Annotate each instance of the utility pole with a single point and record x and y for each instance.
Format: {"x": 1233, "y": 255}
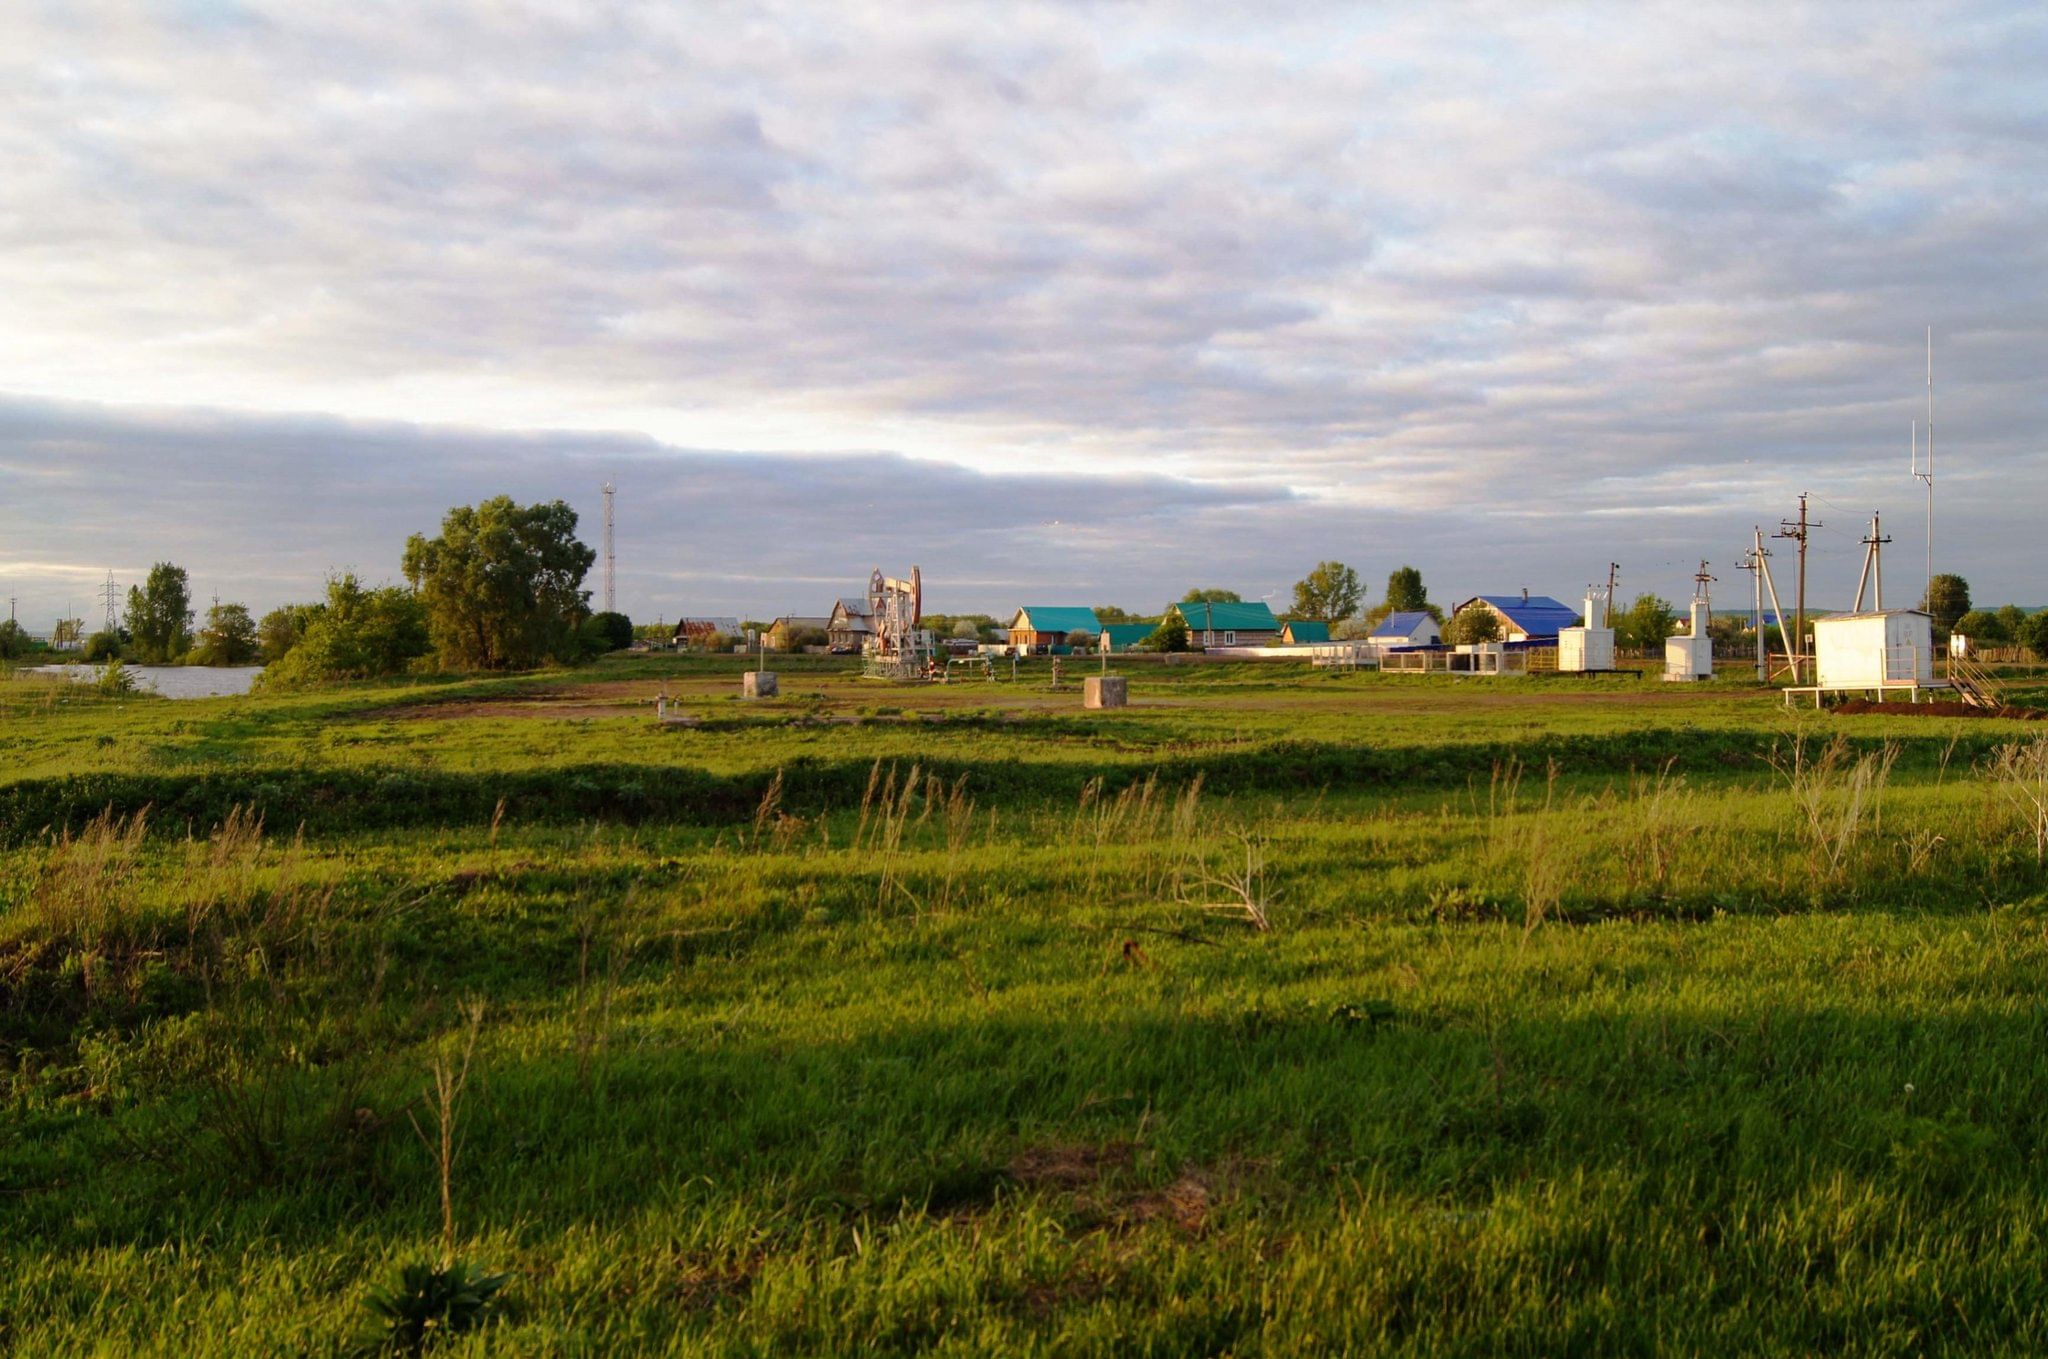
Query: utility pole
{"x": 1873, "y": 563}
{"x": 1797, "y": 532}
{"x": 111, "y": 593}
{"x": 1607, "y": 608}
{"x": 1753, "y": 562}
{"x": 611, "y": 565}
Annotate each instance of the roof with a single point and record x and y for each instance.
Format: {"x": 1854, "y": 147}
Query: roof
{"x": 1537, "y": 615}
{"x": 857, "y": 608}
{"x": 1058, "y": 618}
{"x": 1306, "y": 630}
{"x": 728, "y": 626}
{"x": 796, "y": 620}
{"x": 1867, "y": 613}
{"x": 1252, "y": 617}
{"x": 1127, "y": 634}
{"x": 1402, "y": 624}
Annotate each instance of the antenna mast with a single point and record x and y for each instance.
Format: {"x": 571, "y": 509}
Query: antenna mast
{"x": 1928, "y": 474}
{"x": 611, "y": 565}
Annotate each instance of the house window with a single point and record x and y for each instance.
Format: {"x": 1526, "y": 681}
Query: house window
{"x": 1230, "y": 639}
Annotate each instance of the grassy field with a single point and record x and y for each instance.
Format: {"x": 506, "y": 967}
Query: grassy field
{"x": 1280, "y": 1013}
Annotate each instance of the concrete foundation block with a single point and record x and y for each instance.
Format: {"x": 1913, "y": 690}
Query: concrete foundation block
{"x": 759, "y": 684}
{"x": 1106, "y": 691}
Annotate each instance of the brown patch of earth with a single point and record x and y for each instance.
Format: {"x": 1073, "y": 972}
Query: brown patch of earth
{"x": 1857, "y": 707}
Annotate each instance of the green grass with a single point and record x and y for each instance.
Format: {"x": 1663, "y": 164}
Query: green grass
{"x": 885, "y": 1020}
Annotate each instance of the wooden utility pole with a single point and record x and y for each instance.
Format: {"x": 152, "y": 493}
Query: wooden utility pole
{"x": 1797, "y": 531}
{"x": 1607, "y": 609}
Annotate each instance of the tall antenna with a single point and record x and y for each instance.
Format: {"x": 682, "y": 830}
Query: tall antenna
{"x": 611, "y": 564}
{"x": 111, "y": 593}
{"x": 1928, "y": 474}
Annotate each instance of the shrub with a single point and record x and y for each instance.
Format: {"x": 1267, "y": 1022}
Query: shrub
{"x": 428, "y": 1301}
{"x": 103, "y": 646}
{"x": 1475, "y": 624}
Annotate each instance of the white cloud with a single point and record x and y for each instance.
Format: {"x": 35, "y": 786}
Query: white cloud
{"x": 1408, "y": 259}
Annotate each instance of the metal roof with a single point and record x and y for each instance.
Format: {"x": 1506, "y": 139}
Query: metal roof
{"x": 1057, "y": 618}
{"x": 1402, "y": 624}
{"x": 1252, "y": 617}
{"x": 1127, "y": 634}
{"x": 1537, "y": 615}
{"x": 1307, "y": 630}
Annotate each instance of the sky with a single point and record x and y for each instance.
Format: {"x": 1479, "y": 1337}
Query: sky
{"x": 1063, "y": 303}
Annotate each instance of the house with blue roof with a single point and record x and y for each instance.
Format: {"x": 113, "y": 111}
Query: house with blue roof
{"x": 1406, "y": 628}
{"x": 1524, "y": 618}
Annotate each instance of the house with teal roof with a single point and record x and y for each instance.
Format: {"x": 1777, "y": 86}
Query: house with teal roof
{"x": 1041, "y": 627}
{"x": 1304, "y": 632}
{"x": 1230, "y": 624}
{"x": 1126, "y": 636}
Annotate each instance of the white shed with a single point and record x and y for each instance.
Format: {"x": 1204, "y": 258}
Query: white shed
{"x": 1889, "y": 650}
{"x": 1690, "y": 656}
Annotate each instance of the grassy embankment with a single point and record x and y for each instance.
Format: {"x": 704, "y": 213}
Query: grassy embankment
{"x": 882, "y": 1019}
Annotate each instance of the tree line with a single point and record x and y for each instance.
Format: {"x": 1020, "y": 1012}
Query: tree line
{"x": 500, "y": 587}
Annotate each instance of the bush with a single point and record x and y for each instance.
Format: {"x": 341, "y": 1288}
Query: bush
{"x": 358, "y": 634}
{"x": 1170, "y": 635}
{"x": 1476, "y": 624}
{"x": 610, "y": 630}
{"x": 428, "y": 1301}
{"x": 1980, "y": 625}
{"x": 103, "y": 646}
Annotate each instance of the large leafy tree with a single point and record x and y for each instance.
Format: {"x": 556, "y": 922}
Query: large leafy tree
{"x": 2033, "y": 634}
{"x": 1646, "y": 623}
{"x": 1405, "y": 592}
{"x": 229, "y": 637}
{"x": 1980, "y": 625}
{"x": 160, "y": 614}
{"x": 2013, "y": 619}
{"x": 1211, "y": 597}
{"x": 1329, "y": 593}
{"x": 502, "y": 584}
{"x": 282, "y": 628}
{"x": 355, "y": 634}
{"x": 14, "y": 639}
{"x": 1948, "y": 599}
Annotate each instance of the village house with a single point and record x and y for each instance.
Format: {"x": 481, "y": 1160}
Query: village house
{"x": 1407, "y": 628}
{"x": 1525, "y": 617}
{"x": 700, "y": 631}
{"x": 1304, "y": 632}
{"x": 849, "y": 627}
{"x": 1126, "y": 636}
{"x": 790, "y": 626}
{"x": 1040, "y": 627}
{"x": 1232, "y": 624}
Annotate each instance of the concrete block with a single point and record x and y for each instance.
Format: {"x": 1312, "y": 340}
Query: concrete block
{"x": 759, "y": 684}
{"x": 1105, "y": 691}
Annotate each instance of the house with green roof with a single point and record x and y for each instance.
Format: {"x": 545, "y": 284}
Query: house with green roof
{"x": 1234, "y": 624}
{"x": 1304, "y": 632}
{"x": 1040, "y": 627}
{"x": 1126, "y": 636}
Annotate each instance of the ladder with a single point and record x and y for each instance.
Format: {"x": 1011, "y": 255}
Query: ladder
{"x": 1973, "y": 684}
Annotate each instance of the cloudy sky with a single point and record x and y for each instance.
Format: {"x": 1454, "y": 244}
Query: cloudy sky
{"x": 1084, "y": 302}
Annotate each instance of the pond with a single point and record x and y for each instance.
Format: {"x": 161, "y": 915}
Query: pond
{"x": 172, "y": 681}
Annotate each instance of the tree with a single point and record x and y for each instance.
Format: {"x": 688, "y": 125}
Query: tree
{"x": 2013, "y": 619}
{"x": 103, "y": 646}
{"x": 356, "y": 634}
{"x": 966, "y": 630}
{"x": 1981, "y": 626}
{"x": 1645, "y": 624}
{"x": 68, "y": 632}
{"x": 502, "y": 584}
{"x": 1170, "y": 635}
{"x": 1948, "y": 599}
{"x": 1106, "y": 614}
{"x": 1405, "y": 593}
{"x": 229, "y": 637}
{"x": 1476, "y": 623}
{"x": 160, "y": 615}
{"x": 2035, "y": 635}
{"x": 14, "y": 640}
{"x": 1211, "y": 597}
{"x": 1329, "y": 593}
{"x": 613, "y": 629}
{"x": 282, "y": 628}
